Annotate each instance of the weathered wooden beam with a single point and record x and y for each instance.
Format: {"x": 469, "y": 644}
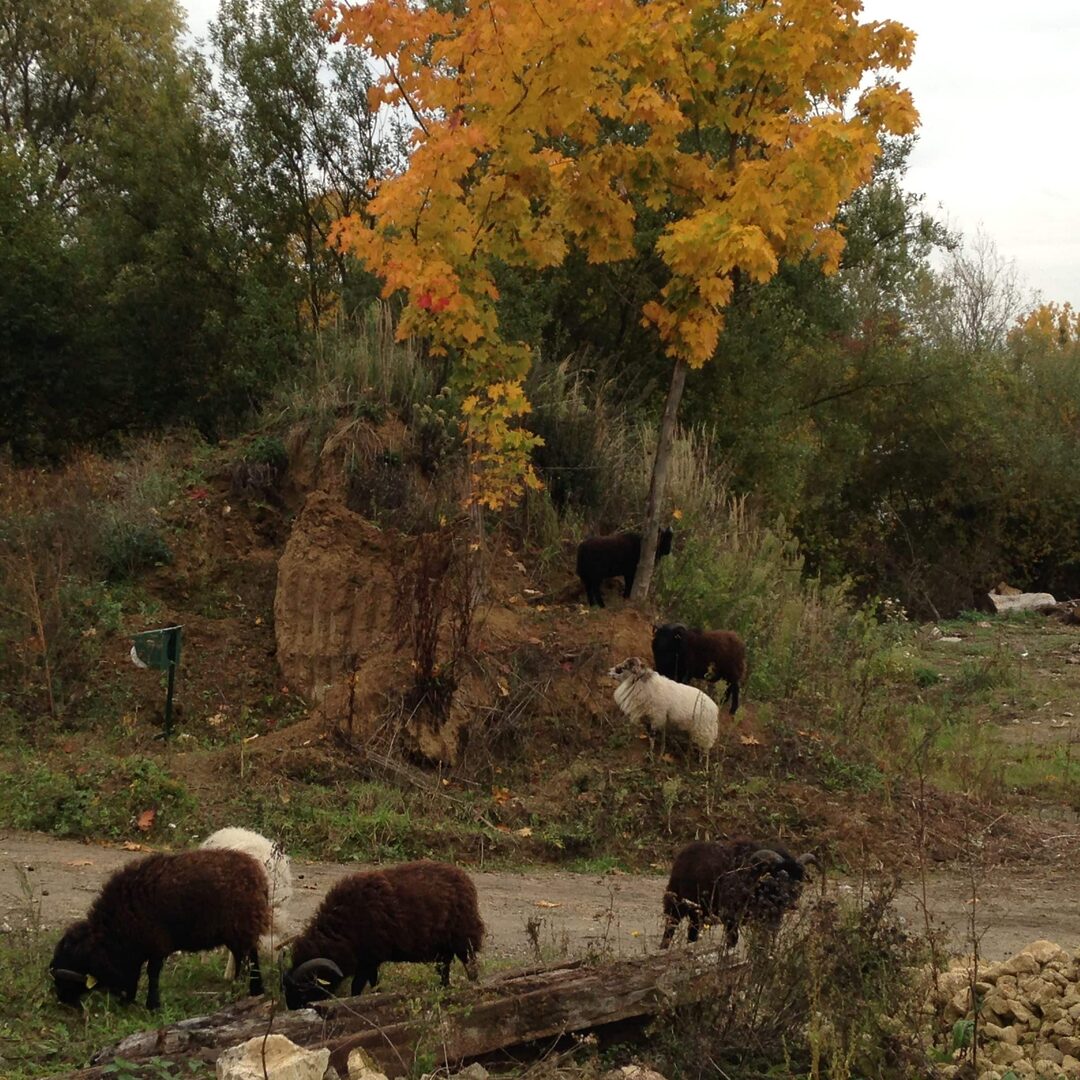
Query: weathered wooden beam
{"x": 508, "y": 1010}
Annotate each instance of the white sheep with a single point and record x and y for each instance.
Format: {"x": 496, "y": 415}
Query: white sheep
{"x": 271, "y": 856}
{"x": 661, "y": 703}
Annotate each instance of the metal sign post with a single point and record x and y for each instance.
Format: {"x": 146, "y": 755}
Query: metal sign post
{"x": 160, "y": 649}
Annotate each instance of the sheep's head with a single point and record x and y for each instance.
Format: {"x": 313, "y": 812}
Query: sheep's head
{"x": 779, "y": 883}
{"x": 311, "y": 981}
{"x": 631, "y": 667}
{"x": 78, "y": 966}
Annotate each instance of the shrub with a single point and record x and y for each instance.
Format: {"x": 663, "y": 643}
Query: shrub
{"x": 836, "y": 995}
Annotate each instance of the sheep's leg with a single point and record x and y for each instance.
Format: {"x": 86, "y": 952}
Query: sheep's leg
{"x": 733, "y": 690}
{"x": 255, "y": 982}
{"x": 663, "y": 741}
{"x": 731, "y": 933}
{"x": 694, "y": 928}
{"x": 232, "y": 967}
{"x": 443, "y": 964}
{"x": 628, "y": 584}
{"x": 153, "y": 974}
{"x": 670, "y": 926}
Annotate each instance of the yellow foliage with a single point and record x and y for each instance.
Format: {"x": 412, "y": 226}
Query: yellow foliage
{"x": 1049, "y": 326}
{"x": 541, "y": 125}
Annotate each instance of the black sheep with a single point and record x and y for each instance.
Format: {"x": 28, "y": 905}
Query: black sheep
{"x": 419, "y": 911}
{"x": 602, "y": 557}
{"x": 735, "y": 881}
{"x": 683, "y": 653}
{"x": 188, "y": 902}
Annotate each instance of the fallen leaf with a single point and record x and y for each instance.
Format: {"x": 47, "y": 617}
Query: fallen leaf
{"x": 81, "y": 862}
{"x": 524, "y": 831}
{"x": 145, "y": 821}
{"x": 130, "y": 845}
{"x": 749, "y": 740}
{"x": 547, "y": 904}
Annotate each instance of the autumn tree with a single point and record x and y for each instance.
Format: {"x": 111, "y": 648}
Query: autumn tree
{"x": 542, "y": 126}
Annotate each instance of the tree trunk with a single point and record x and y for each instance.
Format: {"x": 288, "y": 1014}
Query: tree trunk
{"x": 658, "y": 484}
{"x": 513, "y": 1009}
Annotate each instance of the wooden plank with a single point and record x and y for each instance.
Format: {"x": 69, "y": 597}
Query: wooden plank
{"x": 508, "y": 1010}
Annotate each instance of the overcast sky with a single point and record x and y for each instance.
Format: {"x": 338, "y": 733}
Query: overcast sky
{"x": 998, "y": 87}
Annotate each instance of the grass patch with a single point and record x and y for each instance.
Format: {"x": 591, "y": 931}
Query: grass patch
{"x": 95, "y": 797}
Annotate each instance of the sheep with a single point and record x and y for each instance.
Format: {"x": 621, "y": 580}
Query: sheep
{"x": 600, "y": 557}
{"x": 416, "y": 912}
{"x": 682, "y": 653}
{"x": 186, "y": 902}
{"x": 278, "y": 872}
{"x": 662, "y": 703}
{"x": 734, "y": 881}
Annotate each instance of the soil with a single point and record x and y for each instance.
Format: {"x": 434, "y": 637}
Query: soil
{"x": 51, "y": 882}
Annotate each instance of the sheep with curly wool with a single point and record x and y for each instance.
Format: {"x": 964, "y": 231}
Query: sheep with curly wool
{"x": 415, "y": 912}
{"x": 271, "y": 855}
{"x": 188, "y": 902}
{"x": 662, "y": 703}
{"x": 733, "y": 881}
{"x": 683, "y": 653}
{"x": 602, "y": 557}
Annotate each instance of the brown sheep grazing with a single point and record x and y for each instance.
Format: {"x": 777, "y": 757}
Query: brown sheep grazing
{"x": 683, "y": 653}
{"x": 602, "y": 557}
{"x": 734, "y": 881}
{"x": 188, "y": 902}
{"x": 415, "y": 912}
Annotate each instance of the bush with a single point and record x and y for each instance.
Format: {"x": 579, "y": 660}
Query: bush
{"x": 836, "y": 995}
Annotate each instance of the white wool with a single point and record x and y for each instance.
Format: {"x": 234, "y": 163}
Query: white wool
{"x": 663, "y": 703}
{"x": 275, "y": 862}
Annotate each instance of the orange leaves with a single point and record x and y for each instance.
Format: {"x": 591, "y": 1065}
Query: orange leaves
{"x": 542, "y": 125}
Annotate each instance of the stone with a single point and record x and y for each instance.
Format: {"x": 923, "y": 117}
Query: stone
{"x": 1022, "y": 963}
{"x": 1052, "y": 1012}
{"x": 1021, "y": 1011}
{"x": 1004, "y": 1054}
{"x": 961, "y": 1001}
{"x": 1070, "y": 1066}
{"x": 1024, "y": 1069}
{"x": 1064, "y": 1026}
{"x": 1045, "y": 1051}
{"x": 361, "y": 1066}
{"x": 1074, "y": 1011}
{"x": 1069, "y": 1044}
{"x": 476, "y": 1071}
{"x": 1008, "y": 986}
{"x": 633, "y": 1072}
{"x": 1045, "y": 951}
{"x": 997, "y": 1005}
{"x": 1049, "y": 1069}
{"x": 282, "y": 1060}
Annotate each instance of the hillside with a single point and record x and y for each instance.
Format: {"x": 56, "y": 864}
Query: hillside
{"x": 303, "y": 710}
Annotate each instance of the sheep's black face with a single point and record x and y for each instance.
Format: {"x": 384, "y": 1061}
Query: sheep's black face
{"x": 777, "y": 892}
{"x": 72, "y": 966}
{"x": 311, "y": 981}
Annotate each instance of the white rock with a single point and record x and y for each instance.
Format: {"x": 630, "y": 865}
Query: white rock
{"x": 284, "y": 1060}
{"x": 362, "y": 1066}
{"x": 476, "y": 1071}
{"x": 1045, "y": 951}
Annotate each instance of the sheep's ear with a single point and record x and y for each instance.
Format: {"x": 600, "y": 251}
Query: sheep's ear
{"x": 91, "y": 982}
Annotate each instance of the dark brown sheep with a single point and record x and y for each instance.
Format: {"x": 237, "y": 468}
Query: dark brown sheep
{"x": 734, "y": 881}
{"x": 417, "y": 912}
{"x": 683, "y": 653}
{"x": 188, "y": 902}
{"x": 602, "y": 557}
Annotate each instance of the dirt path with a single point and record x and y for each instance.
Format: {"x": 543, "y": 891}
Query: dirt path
{"x": 571, "y": 913}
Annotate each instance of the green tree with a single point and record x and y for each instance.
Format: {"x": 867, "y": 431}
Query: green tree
{"x": 307, "y": 149}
